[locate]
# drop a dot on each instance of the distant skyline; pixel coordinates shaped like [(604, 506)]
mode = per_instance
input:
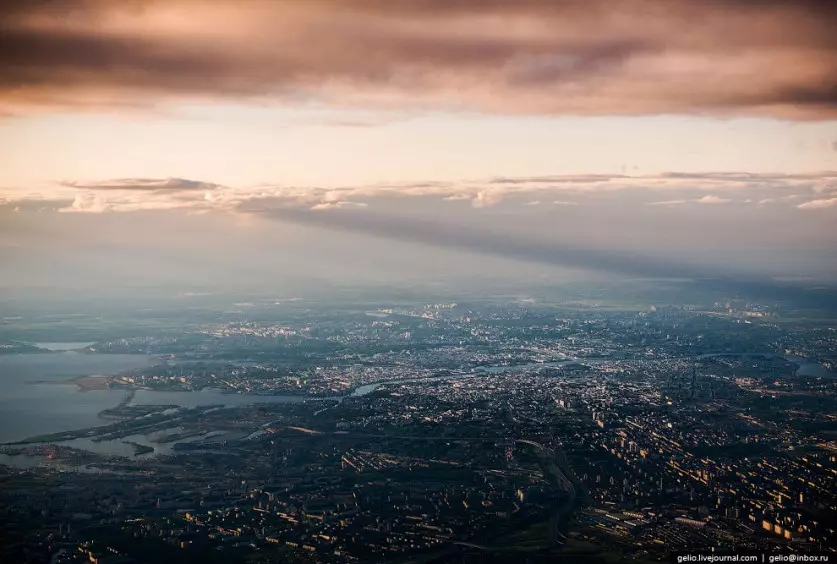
[(704, 132)]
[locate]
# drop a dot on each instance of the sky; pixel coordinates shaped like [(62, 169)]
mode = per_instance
[(190, 141)]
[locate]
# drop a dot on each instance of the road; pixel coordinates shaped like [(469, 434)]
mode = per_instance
[(561, 481)]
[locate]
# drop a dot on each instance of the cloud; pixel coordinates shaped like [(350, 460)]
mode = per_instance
[(142, 194), (137, 194), (638, 57), (486, 198), (87, 203), (727, 181), (96, 203), (834, 145), (338, 205), (534, 203), (145, 184), (818, 204), (710, 199), (669, 203), (557, 179), (787, 198)]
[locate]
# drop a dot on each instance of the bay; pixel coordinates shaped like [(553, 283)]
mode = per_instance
[(28, 408)]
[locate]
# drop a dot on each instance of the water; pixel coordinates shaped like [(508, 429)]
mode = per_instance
[(804, 366), (121, 446), (28, 409), (22, 460), (807, 368)]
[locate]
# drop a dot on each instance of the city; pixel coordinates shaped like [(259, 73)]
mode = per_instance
[(487, 430)]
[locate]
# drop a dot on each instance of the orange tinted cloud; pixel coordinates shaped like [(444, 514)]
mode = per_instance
[(805, 191), (636, 57)]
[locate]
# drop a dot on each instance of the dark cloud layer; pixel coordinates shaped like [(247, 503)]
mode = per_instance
[(764, 57)]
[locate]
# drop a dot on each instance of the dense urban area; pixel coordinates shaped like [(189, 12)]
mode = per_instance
[(493, 431)]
